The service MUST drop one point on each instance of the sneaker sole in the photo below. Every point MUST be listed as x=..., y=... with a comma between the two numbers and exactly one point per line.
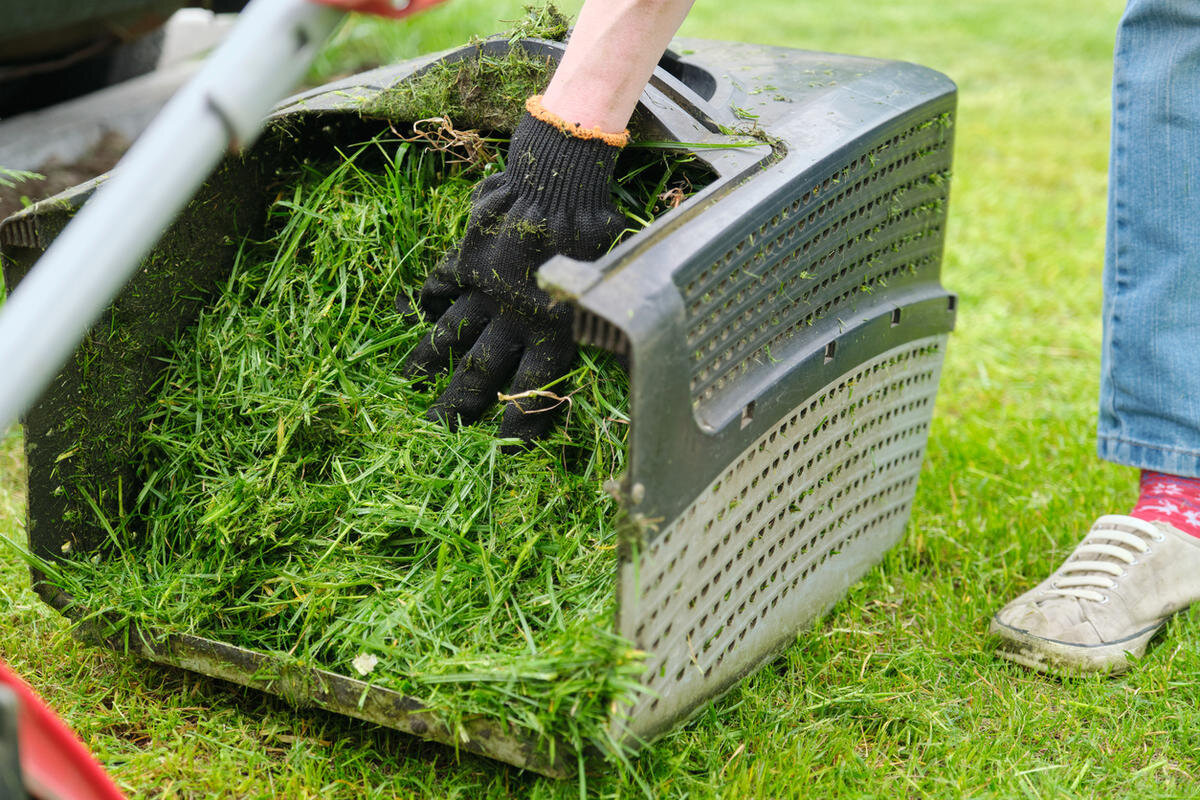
x=1064, y=658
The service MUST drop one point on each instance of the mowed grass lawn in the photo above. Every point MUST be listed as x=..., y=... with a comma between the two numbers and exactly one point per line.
x=896, y=692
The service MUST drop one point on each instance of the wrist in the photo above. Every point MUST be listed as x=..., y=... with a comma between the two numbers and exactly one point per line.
x=537, y=108
x=559, y=170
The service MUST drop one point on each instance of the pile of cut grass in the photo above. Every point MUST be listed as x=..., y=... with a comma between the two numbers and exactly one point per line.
x=484, y=91
x=296, y=501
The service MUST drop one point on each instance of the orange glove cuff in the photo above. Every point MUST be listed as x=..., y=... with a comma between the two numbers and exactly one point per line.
x=535, y=108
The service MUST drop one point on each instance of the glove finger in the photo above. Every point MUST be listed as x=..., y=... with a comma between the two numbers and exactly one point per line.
x=441, y=288
x=454, y=332
x=438, y=295
x=527, y=418
x=479, y=376
x=408, y=311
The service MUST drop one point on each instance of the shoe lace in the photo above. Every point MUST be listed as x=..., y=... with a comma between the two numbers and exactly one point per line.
x=1113, y=544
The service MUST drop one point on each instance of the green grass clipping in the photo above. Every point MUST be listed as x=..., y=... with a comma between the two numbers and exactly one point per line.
x=297, y=502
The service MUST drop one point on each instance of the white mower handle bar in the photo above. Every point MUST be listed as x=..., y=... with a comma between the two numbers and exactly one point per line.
x=223, y=107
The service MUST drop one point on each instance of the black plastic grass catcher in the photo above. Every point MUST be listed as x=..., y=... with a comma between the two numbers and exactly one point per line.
x=784, y=329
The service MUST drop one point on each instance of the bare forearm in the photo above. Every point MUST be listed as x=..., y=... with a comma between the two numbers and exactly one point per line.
x=612, y=51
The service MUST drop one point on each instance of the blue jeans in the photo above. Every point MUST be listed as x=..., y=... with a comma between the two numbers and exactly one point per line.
x=1150, y=364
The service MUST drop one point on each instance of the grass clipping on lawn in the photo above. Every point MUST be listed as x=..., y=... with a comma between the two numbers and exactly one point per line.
x=297, y=502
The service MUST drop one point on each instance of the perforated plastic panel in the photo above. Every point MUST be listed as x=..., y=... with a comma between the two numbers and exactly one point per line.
x=874, y=224
x=781, y=534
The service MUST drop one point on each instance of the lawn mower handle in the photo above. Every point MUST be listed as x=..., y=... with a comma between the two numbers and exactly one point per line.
x=223, y=107
x=41, y=754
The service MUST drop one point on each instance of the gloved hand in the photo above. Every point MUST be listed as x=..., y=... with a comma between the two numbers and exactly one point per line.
x=553, y=197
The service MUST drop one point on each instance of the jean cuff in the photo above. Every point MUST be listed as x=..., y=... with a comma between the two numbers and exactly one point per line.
x=1160, y=458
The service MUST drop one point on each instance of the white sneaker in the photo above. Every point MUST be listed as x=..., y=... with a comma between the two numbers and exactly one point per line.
x=1106, y=601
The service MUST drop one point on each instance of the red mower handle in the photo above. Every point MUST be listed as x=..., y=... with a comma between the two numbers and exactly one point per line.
x=55, y=765
x=382, y=8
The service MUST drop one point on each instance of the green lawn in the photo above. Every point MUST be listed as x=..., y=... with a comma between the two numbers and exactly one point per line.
x=895, y=693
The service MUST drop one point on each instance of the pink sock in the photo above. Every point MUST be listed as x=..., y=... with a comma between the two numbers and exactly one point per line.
x=1170, y=499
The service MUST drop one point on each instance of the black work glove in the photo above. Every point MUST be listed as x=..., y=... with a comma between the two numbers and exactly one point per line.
x=553, y=197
